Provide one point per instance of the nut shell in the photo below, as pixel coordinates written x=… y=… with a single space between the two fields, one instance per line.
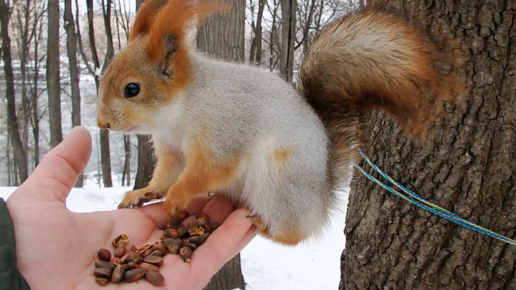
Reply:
x=121 y=240
x=185 y=253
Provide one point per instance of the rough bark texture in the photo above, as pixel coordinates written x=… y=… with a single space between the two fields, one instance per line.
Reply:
x=146 y=162
x=258 y=36
x=224 y=30
x=53 y=77
x=71 y=49
x=222 y=36
x=467 y=168
x=288 y=38
x=20 y=156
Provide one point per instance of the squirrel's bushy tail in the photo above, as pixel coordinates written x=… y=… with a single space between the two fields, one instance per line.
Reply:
x=373 y=60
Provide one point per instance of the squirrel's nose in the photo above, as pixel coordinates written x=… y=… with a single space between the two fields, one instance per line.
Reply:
x=103 y=125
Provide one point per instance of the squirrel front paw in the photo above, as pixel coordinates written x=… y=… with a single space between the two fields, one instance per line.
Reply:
x=136 y=198
x=173 y=207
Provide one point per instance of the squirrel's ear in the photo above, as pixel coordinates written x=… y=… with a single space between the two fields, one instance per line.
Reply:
x=170 y=46
x=169 y=49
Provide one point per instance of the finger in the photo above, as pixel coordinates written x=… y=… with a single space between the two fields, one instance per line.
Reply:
x=213 y=254
x=218 y=209
x=248 y=237
x=59 y=169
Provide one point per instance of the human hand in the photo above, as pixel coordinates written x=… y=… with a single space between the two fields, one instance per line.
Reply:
x=56 y=248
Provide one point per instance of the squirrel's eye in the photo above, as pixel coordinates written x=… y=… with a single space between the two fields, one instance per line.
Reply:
x=131 y=90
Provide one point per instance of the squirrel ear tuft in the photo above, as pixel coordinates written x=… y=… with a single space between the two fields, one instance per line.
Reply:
x=175 y=18
x=145 y=17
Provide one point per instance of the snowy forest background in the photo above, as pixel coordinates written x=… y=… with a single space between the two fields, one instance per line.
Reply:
x=84 y=35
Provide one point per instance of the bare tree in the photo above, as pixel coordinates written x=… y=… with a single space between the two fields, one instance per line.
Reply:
x=222 y=36
x=93 y=70
x=71 y=48
x=465 y=168
x=53 y=74
x=274 y=39
x=20 y=156
x=305 y=18
x=23 y=17
x=288 y=35
x=35 y=115
x=255 y=55
x=104 y=134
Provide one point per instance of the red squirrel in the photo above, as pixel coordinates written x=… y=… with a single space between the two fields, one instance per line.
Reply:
x=281 y=151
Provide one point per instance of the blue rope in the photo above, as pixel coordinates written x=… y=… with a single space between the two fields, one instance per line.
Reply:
x=427 y=205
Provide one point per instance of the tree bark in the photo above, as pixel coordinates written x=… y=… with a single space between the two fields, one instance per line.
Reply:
x=71 y=49
x=53 y=77
x=466 y=168
x=104 y=134
x=224 y=31
x=258 y=35
x=222 y=36
x=146 y=162
x=138 y=3
x=126 y=173
x=20 y=157
x=23 y=12
x=288 y=36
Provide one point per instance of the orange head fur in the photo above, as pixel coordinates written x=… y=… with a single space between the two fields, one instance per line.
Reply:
x=154 y=68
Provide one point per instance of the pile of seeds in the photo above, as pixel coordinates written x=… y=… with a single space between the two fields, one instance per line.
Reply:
x=132 y=264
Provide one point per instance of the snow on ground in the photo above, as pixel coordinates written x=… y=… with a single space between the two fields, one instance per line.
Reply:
x=266 y=266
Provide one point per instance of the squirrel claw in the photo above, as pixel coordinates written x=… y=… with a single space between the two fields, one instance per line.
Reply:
x=136 y=198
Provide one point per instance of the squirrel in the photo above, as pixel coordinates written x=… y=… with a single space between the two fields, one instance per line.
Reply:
x=279 y=150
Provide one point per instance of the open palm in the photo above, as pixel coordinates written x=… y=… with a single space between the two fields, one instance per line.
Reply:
x=57 y=248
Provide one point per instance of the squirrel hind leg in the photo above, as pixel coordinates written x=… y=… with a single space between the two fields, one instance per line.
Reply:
x=289 y=237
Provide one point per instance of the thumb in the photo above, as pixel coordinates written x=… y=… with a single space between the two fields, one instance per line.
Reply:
x=54 y=177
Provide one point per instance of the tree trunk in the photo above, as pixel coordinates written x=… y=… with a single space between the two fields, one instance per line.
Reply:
x=468 y=169
x=38 y=33
x=23 y=11
x=146 y=162
x=258 y=36
x=288 y=36
x=104 y=135
x=71 y=49
x=105 y=159
x=126 y=173
x=20 y=157
x=222 y=36
x=138 y=3
x=53 y=77
x=224 y=31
